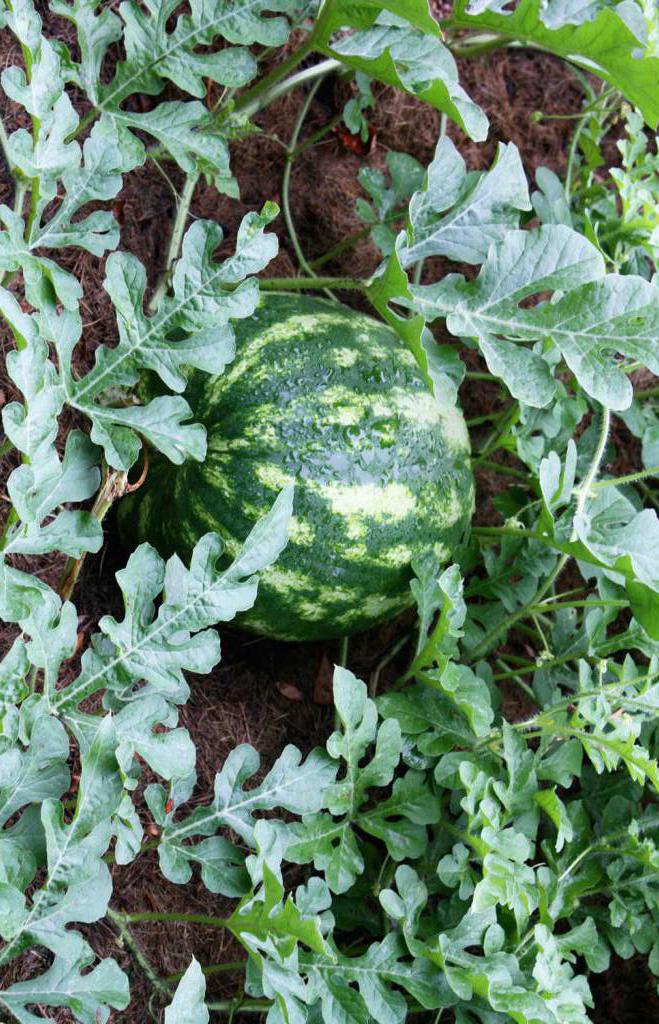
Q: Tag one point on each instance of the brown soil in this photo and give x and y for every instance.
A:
(247, 699)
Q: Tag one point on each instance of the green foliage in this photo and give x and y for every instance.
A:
(459, 850)
(618, 213)
(187, 1006)
(590, 32)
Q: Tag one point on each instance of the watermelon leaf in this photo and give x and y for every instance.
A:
(399, 822)
(155, 647)
(609, 41)
(291, 784)
(163, 46)
(594, 316)
(389, 202)
(459, 214)
(400, 45)
(486, 205)
(187, 1006)
(64, 984)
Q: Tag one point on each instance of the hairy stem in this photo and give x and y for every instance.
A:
(316, 71)
(629, 478)
(262, 93)
(4, 147)
(227, 967)
(351, 240)
(163, 916)
(182, 212)
(497, 437)
(317, 136)
(476, 45)
(283, 284)
(505, 470)
(286, 182)
(239, 1005)
(112, 488)
(121, 922)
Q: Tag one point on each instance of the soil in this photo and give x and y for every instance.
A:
(267, 693)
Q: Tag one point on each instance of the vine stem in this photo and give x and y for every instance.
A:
(164, 916)
(227, 967)
(630, 478)
(262, 93)
(178, 231)
(583, 493)
(351, 240)
(240, 1005)
(477, 45)
(284, 284)
(578, 132)
(316, 71)
(384, 661)
(4, 146)
(112, 488)
(286, 182)
(121, 922)
(496, 438)
(532, 666)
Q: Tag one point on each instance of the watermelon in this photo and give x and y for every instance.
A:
(331, 399)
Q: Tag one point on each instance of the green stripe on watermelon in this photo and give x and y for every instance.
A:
(331, 399)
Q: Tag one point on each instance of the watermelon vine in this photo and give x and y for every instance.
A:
(439, 858)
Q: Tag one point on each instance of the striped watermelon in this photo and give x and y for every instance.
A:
(332, 399)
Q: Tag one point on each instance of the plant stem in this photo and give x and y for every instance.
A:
(178, 231)
(384, 661)
(283, 284)
(317, 136)
(515, 677)
(477, 375)
(127, 939)
(630, 478)
(262, 93)
(257, 96)
(351, 240)
(245, 1005)
(574, 142)
(648, 393)
(496, 438)
(506, 470)
(286, 182)
(112, 488)
(210, 969)
(348, 243)
(175, 918)
(295, 81)
(478, 421)
(552, 606)
(240, 1005)
(476, 45)
(4, 146)
(532, 666)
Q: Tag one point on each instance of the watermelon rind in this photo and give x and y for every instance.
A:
(330, 399)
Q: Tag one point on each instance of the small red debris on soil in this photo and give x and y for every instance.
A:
(355, 143)
(322, 687)
(290, 692)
